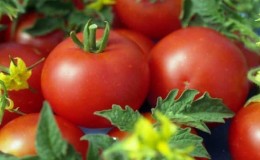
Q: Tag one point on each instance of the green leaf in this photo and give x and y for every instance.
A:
(77, 20)
(184, 138)
(188, 111)
(11, 8)
(218, 15)
(56, 8)
(123, 119)
(44, 26)
(253, 99)
(49, 142)
(5, 156)
(97, 142)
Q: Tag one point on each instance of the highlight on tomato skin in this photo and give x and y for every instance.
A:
(94, 81)
(18, 136)
(179, 61)
(243, 136)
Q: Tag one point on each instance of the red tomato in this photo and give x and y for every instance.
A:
(4, 20)
(155, 20)
(18, 136)
(79, 4)
(27, 100)
(252, 58)
(202, 59)
(141, 40)
(78, 83)
(244, 139)
(44, 43)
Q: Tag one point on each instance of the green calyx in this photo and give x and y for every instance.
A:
(254, 75)
(90, 43)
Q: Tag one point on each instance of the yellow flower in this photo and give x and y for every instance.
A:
(17, 77)
(149, 141)
(99, 4)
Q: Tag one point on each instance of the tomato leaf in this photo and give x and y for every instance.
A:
(218, 15)
(193, 113)
(39, 28)
(184, 138)
(97, 142)
(123, 119)
(5, 156)
(56, 8)
(11, 8)
(49, 142)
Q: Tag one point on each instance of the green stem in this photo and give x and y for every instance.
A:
(92, 37)
(35, 64)
(3, 99)
(251, 75)
(90, 43)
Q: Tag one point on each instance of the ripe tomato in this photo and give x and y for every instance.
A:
(78, 83)
(244, 140)
(252, 58)
(18, 136)
(4, 21)
(44, 43)
(141, 40)
(27, 100)
(154, 19)
(202, 59)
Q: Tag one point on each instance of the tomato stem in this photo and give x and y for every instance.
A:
(35, 64)
(90, 43)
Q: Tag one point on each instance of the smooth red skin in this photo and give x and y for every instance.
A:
(155, 20)
(78, 83)
(26, 100)
(145, 43)
(252, 58)
(44, 43)
(244, 140)
(23, 130)
(4, 21)
(79, 4)
(202, 59)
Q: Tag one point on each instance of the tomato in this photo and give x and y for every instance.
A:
(79, 4)
(27, 100)
(141, 40)
(244, 140)
(18, 136)
(44, 43)
(4, 20)
(78, 83)
(154, 19)
(202, 59)
(252, 58)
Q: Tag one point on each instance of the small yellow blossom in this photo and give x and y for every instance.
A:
(17, 77)
(99, 4)
(153, 142)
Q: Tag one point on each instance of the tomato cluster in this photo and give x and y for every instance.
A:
(144, 55)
